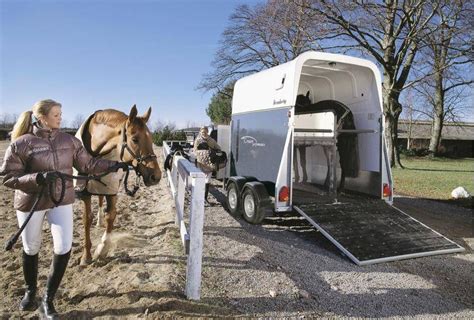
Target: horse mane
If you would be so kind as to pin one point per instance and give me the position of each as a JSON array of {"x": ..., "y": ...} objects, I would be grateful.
[{"x": 110, "y": 117}]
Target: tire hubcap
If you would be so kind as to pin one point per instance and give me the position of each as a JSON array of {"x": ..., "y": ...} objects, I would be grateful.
[
  {"x": 232, "y": 198},
  {"x": 249, "y": 205}
]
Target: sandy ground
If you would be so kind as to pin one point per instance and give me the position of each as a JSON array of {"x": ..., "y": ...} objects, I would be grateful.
[{"x": 282, "y": 268}]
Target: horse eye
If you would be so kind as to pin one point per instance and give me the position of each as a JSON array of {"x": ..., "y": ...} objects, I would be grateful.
[{"x": 135, "y": 140}]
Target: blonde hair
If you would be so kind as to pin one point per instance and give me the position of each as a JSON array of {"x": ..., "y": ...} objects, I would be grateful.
[{"x": 39, "y": 109}]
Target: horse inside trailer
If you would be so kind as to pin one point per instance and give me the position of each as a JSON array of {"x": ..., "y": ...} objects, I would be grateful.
[
  {"x": 308, "y": 136},
  {"x": 337, "y": 134}
]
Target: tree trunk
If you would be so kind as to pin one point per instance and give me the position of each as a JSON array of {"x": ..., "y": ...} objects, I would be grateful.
[
  {"x": 388, "y": 126},
  {"x": 396, "y": 150},
  {"x": 392, "y": 110},
  {"x": 438, "y": 118}
]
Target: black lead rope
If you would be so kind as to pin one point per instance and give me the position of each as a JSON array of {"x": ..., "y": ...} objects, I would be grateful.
[
  {"x": 132, "y": 192},
  {"x": 13, "y": 239},
  {"x": 63, "y": 176}
]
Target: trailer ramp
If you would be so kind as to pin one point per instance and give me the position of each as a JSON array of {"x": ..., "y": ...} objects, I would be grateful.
[{"x": 370, "y": 230}]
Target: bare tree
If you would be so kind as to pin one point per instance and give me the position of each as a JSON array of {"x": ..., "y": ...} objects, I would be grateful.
[
  {"x": 78, "y": 121},
  {"x": 447, "y": 52},
  {"x": 390, "y": 32},
  {"x": 261, "y": 37},
  {"x": 411, "y": 113},
  {"x": 8, "y": 120},
  {"x": 159, "y": 125},
  {"x": 4, "y": 119}
]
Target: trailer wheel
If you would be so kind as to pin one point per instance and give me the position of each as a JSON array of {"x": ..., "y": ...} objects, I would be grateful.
[
  {"x": 252, "y": 212},
  {"x": 233, "y": 202}
]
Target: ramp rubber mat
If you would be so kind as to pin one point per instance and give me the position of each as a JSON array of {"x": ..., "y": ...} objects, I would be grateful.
[{"x": 370, "y": 230}]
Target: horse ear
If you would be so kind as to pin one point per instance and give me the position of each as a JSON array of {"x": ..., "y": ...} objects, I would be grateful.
[
  {"x": 133, "y": 113},
  {"x": 146, "y": 116}
]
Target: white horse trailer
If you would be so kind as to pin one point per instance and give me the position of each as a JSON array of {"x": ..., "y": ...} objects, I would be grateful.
[{"x": 291, "y": 157}]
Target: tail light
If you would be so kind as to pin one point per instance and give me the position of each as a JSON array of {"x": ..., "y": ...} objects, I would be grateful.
[
  {"x": 284, "y": 194},
  {"x": 387, "y": 191}
]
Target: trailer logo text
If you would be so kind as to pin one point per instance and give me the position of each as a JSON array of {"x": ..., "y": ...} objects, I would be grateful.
[
  {"x": 252, "y": 141},
  {"x": 280, "y": 101}
]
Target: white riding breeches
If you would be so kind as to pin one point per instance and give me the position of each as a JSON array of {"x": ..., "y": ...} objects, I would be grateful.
[{"x": 60, "y": 223}]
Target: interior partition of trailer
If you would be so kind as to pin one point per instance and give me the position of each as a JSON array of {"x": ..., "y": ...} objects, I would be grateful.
[{"x": 315, "y": 132}]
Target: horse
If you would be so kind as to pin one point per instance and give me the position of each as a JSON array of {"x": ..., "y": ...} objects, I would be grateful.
[
  {"x": 346, "y": 142},
  {"x": 111, "y": 134}
]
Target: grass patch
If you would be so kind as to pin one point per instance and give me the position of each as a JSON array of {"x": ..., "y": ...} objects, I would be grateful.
[{"x": 433, "y": 178}]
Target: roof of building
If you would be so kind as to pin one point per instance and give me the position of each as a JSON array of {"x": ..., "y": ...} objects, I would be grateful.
[
  {"x": 422, "y": 130},
  {"x": 191, "y": 129}
]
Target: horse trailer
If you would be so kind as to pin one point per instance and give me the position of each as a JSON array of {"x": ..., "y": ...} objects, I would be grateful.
[{"x": 306, "y": 128}]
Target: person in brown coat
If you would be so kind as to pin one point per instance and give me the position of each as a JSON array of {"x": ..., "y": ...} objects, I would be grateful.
[
  {"x": 202, "y": 149},
  {"x": 37, "y": 150}
]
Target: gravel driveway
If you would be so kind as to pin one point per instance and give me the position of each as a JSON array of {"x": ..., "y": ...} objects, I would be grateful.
[{"x": 286, "y": 268}]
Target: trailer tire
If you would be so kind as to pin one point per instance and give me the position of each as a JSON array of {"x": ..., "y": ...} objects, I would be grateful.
[
  {"x": 251, "y": 209},
  {"x": 233, "y": 199}
]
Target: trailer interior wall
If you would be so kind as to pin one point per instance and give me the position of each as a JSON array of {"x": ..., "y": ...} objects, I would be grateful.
[{"x": 356, "y": 87}]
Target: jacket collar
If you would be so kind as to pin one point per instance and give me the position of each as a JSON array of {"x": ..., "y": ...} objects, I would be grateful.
[{"x": 44, "y": 133}]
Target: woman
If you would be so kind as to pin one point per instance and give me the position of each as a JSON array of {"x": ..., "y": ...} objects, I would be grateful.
[
  {"x": 202, "y": 149},
  {"x": 38, "y": 149}
]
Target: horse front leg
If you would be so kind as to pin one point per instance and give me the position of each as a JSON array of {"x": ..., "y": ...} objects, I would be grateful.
[
  {"x": 110, "y": 213},
  {"x": 87, "y": 222},
  {"x": 328, "y": 164},
  {"x": 343, "y": 179},
  {"x": 100, "y": 212},
  {"x": 303, "y": 162}
]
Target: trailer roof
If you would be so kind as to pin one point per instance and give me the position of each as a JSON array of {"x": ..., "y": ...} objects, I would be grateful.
[{"x": 278, "y": 86}]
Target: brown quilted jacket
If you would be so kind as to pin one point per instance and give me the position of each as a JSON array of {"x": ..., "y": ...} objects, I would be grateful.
[
  {"x": 203, "y": 156},
  {"x": 41, "y": 151}
]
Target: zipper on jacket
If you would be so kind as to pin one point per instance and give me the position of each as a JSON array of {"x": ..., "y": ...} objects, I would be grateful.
[{"x": 55, "y": 160}]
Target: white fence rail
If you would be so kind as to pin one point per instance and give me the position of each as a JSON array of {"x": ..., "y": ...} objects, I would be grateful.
[{"x": 182, "y": 176}]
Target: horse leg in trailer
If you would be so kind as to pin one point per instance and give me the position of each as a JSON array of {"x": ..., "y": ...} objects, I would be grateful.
[
  {"x": 100, "y": 212},
  {"x": 110, "y": 213},
  {"x": 295, "y": 166},
  {"x": 87, "y": 222},
  {"x": 303, "y": 162},
  {"x": 343, "y": 178},
  {"x": 328, "y": 164}
]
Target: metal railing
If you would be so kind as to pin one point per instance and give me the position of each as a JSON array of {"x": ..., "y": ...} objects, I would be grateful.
[{"x": 182, "y": 176}]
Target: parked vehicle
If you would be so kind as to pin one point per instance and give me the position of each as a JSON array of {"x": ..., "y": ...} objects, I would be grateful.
[{"x": 304, "y": 128}]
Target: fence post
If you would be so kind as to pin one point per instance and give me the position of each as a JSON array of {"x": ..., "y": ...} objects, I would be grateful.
[
  {"x": 181, "y": 173},
  {"x": 194, "y": 265},
  {"x": 180, "y": 198}
]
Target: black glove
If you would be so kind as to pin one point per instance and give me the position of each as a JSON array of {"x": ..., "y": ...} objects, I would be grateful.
[
  {"x": 44, "y": 178},
  {"x": 119, "y": 165}
]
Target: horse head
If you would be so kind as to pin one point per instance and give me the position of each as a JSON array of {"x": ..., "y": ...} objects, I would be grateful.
[{"x": 137, "y": 147}]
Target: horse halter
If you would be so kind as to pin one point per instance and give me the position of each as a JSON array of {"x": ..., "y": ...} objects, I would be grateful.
[{"x": 140, "y": 159}]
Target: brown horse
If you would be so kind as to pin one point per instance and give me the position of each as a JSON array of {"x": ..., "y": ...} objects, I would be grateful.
[{"x": 113, "y": 135}]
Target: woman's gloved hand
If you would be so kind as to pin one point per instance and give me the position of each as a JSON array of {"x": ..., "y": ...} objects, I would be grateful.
[
  {"x": 44, "y": 178},
  {"x": 119, "y": 165}
]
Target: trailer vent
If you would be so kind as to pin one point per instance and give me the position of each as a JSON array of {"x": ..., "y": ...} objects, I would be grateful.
[{"x": 284, "y": 194}]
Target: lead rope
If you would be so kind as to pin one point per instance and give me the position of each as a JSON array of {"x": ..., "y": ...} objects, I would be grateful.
[{"x": 62, "y": 176}]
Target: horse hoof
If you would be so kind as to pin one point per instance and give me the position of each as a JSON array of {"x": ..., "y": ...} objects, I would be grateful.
[
  {"x": 101, "y": 251},
  {"x": 85, "y": 261}
]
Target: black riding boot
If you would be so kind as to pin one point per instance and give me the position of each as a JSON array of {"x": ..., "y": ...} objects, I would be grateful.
[
  {"x": 30, "y": 273},
  {"x": 56, "y": 274},
  {"x": 206, "y": 193}
]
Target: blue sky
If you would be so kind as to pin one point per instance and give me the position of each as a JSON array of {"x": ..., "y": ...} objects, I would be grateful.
[{"x": 90, "y": 55}]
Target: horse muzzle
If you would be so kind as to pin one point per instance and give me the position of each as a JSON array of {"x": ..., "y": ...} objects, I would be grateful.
[{"x": 152, "y": 180}]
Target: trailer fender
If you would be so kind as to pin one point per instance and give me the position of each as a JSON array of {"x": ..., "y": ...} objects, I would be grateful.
[
  {"x": 239, "y": 181},
  {"x": 263, "y": 199}
]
